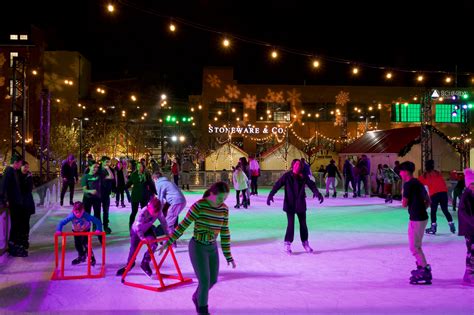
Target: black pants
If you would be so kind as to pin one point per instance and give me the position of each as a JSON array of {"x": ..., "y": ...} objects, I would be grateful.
[
  {"x": 379, "y": 186},
  {"x": 362, "y": 179},
  {"x": 94, "y": 203},
  {"x": 456, "y": 194},
  {"x": 176, "y": 179},
  {"x": 105, "y": 202},
  {"x": 119, "y": 196},
  {"x": 80, "y": 243},
  {"x": 135, "y": 240},
  {"x": 346, "y": 184},
  {"x": 440, "y": 198},
  {"x": 20, "y": 226},
  {"x": 135, "y": 205},
  {"x": 205, "y": 261},
  {"x": 254, "y": 184},
  {"x": 290, "y": 229},
  {"x": 470, "y": 252},
  {"x": 67, "y": 184},
  {"x": 244, "y": 196}
]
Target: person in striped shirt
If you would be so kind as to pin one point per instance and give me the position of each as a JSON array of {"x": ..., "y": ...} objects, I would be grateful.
[{"x": 211, "y": 217}]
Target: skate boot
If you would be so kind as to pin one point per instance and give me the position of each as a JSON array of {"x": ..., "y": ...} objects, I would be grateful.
[
  {"x": 107, "y": 230},
  {"x": 121, "y": 271},
  {"x": 346, "y": 195},
  {"x": 195, "y": 301},
  {"x": 422, "y": 276},
  {"x": 326, "y": 195},
  {"x": 237, "y": 206},
  {"x": 334, "y": 195},
  {"x": 468, "y": 278},
  {"x": 93, "y": 260},
  {"x": 452, "y": 228},
  {"x": 415, "y": 271},
  {"x": 307, "y": 248},
  {"x": 354, "y": 196},
  {"x": 287, "y": 248},
  {"x": 78, "y": 260},
  {"x": 146, "y": 269},
  {"x": 203, "y": 310},
  {"x": 432, "y": 229}
]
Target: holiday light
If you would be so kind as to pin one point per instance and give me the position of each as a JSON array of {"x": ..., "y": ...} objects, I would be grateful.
[
  {"x": 181, "y": 138},
  {"x": 315, "y": 64},
  {"x": 226, "y": 43},
  {"x": 274, "y": 54},
  {"x": 246, "y": 115},
  {"x": 233, "y": 110},
  {"x": 415, "y": 98},
  {"x": 200, "y": 107},
  {"x": 448, "y": 80},
  {"x": 370, "y": 108},
  {"x": 355, "y": 70},
  {"x": 388, "y": 75},
  {"x": 192, "y": 109},
  {"x": 133, "y": 98},
  {"x": 420, "y": 78},
  {"x": 34, "y": 72},
  {"x": 302, "y": 112},
  {"x": 172, "y": 27},
  {"x": 110, "y": 8},
  {"x": 219, "y": 113}
]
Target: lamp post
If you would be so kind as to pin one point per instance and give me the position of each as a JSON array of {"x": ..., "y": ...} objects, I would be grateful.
[{"x": 81, "y": 119}]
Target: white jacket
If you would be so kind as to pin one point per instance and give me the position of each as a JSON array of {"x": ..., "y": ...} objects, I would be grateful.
[{"x": 240, "y": 180}]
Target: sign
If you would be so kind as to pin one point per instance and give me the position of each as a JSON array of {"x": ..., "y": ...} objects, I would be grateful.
[
  {"x": 447, "y": 93},
  {"x": 245, "y": 130},
  {"x": 435, "y": 94}
]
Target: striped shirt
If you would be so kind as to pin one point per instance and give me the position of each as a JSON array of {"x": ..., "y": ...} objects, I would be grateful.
[{"x": 208, "y": 223}]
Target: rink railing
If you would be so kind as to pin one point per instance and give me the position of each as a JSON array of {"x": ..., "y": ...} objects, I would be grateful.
[{"x": 58, "y": 273}]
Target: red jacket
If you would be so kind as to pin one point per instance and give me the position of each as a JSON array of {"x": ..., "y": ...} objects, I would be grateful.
[{"x": 175, "y": 169}]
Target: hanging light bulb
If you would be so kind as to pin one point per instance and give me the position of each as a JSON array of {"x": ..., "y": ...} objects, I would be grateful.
[
  {"x": 274, "y": 54},
  {"x": 388, "y": 75},
  {"x": 315, "y": 63},
  {"x": 226, "y": 43},
  {"x": 355, "y": 70},
  {"x": 448, "y": 80},
  {"x": 420, "y": 78},
  {"x": 172, "y": 27},
  {"x": 110, "y": 7}
]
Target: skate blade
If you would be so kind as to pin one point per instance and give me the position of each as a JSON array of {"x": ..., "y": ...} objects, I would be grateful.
[{"x": 421, "y": 282}]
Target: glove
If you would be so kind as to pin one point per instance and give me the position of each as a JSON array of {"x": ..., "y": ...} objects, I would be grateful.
[
  {"x": 270, "y": 199},
  {"x": 320, "y": 198}
]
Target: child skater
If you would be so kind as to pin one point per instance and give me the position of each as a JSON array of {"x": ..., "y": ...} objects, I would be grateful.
[
  {"x": 240, "y": 181},
  {"x": 143, "y": 229},
  {"x": 81, "y": 222},
  {"x": 466, "y": 224},
  {"x": 211, "y": 217},
  {"x": 416, "y": 198}
]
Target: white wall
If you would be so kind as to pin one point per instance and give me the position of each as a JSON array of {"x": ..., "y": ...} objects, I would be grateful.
[
  {"x": 276, "y": 161},
  {"x": 222, "y": 158}
]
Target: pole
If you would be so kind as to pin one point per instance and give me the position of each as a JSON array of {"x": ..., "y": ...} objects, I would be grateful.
[{"x": 80, "y": 146}]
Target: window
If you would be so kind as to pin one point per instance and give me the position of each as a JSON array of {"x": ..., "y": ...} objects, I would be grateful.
[
  {"x": 273, "y": 112},
  {"x": 318, "y": 112},
  {"x": 406, "y": 112},
  {"x": 226, "y": 112},
  {"x": 13, "y": 37},
  {"x": 444, "y": 113},
  {"x": 13, "y": 54},
  {"x": 23, "y": 37},
  {"x": 11, "y": 88}
]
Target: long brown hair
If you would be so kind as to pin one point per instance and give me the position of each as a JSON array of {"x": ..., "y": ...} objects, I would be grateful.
[{"x": 216, "y": 188}]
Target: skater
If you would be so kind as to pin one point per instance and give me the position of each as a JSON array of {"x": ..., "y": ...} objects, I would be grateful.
[
  {"x": 140, "y": 191},
  {"x": 91, "y": 188},
  {"x": 70, "y": 177},
  {"x": 225, "y": 176},
  {"x": 348, "y": 173},
  {"x": 389, "y": 177},
  {"x": 240, "y": 181},
  {"x": 28, "y": 204},
  {"x": 81, "y": 222},
  {"x": 438, "y": 194},
  {"x": 143, "y": 229},
  {"x": 363, "y": 166},
  {"x": 331, "y": 171},
  {"x": 307, "y": 169},
  {"x": 458, "y": 190},
  {"x": 107, "y": 179},
  {"x": 11, "y": 193},
  {"x": 246, "y": 169},
  {"x": 416, "y": 199},
  {"x": 295, "y": 202},
  {"x": 120, "y": 176},
  {"x": 466, "y": 225},
  {"x": 210, "y": 216},
  {"x": 167, "y": 191},
  {"x": 175, "y": 172},
  {"x": 254, "y": 175},
  {"x": 379, "y": 179},
  {"x": 186, "y": 167}
]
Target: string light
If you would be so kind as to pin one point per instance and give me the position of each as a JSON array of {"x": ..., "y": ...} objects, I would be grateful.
[
  {"x": 226, "y": 43},
  {"x": 448, "y": 80},
  {"x": 172, "y": 27},
  {"x": 200, "y": 107},
  {"x": 133, "y": 98},
  {"x": 274, "y": 54},
  {"x": 315, "y": 63},
  {"x": 34, "y": 72},
  {"x": 110, "y": 8},
  {"x": 388, "y": 75},
  {"x": 420, "y": 78},
  {"x": 355, "y": 70},
  {"x": 233, "y": 110}
]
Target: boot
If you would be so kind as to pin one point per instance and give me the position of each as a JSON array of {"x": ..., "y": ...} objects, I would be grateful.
[
  {"x": 452, "y": 228},
  {"x": 187, "y": 187},
  {"x": 203, "y": 310},
  {"x": 432, "y": 229},
  {"x": 107, "y": 230},
  {"x": 116, "y": 204},
  {"x": 326, "y": 195},
  {"x": 146, "y": 269},
  {"x": 346, "y": 195},
  {"x": 195, "y": 301},
  {"x": 121, "y": 271},
  {"x": 287, "y": 248},
  {"x": 123, "y": 205},
  {"x": 334, "y": 195},
  {"x": 78, "y": 260},
  {"x": 307, "y": 248},
  {"x": 93, "y": 260},
  {"x": 468, "y": 278},
  {"x": 237, "y": 206}
]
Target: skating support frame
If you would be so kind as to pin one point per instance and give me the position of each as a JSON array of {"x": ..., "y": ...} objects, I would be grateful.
[
  {"x": 58, "y": 274},
  {"x": 181, "y": 280}
]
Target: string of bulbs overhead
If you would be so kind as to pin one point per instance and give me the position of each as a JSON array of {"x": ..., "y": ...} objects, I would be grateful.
[{"x": 274, "y": 49}]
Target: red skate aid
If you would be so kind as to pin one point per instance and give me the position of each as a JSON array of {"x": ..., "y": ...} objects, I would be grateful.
[
  {"x": 58, "y": 273},
  {"x": 181, "y": 280}
]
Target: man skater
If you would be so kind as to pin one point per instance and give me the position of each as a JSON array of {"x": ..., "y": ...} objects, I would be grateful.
[{"x": 70, "y": 177}]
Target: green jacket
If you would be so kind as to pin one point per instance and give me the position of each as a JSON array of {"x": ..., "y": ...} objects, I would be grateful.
[{"x": 139, "y": 183}]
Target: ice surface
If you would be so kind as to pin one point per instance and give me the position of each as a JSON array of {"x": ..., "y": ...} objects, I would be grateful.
[{"x": 361, "y": 265}]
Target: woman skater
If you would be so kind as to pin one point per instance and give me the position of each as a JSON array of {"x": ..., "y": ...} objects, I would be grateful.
[
  {"x": 211, "y": 217},
  {"x": 295, "y": 202}
]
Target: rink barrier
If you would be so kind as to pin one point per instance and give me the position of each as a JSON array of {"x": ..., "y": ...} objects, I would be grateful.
[
  {"x": 169, "y": 250},
  {"x": 58, "y": 273}
]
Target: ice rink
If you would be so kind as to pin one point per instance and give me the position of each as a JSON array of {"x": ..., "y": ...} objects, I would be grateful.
[{"x": 361, "y": 265}]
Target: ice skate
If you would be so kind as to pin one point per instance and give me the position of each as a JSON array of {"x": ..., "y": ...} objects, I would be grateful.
[
  {"x": 78, "y": 260},
  {"x": 346, "y": 195},
  {"x": 146, "y": 269},
  {"x": 237, "y": 206},
  {"x": 307, "y": 248},
  {"x": 432, "y": 229},
  {"x": 287, "y": 248},
  {"x": 326, "y": 195},
  {"x": 422, "y": 276},
  {"x": 468, "y": 278},
  {"x": 121, "y": 271},
  {"x": 107, "y": 230},
  {"x": 334, "y": 195},
  {"x": 452, "y": 227},
  {"x": 93, "y": 260}
]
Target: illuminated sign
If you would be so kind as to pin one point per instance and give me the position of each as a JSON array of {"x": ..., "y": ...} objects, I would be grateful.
[{"x": 245, "y": 130}]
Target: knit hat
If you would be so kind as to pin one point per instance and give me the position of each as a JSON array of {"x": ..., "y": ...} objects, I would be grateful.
[{"x": 468, "y": 176}]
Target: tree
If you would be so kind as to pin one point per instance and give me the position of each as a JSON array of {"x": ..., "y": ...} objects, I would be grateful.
[{"x": 64, "y": 141}]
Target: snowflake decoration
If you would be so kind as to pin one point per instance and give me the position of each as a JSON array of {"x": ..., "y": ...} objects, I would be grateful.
[
  {"x": 338, "y": 121},
  {"x": 53, "y": 82},
  {"x": 250, "y": 101},
  {"x": 342, "y": 98},
  {"x": 222, "y": 99},
  {"x": 232, "y": 91},
  {"x": 293, "y": 97},
  {"x": 2, "y": 81},
  {"x": 213, "y": 80},
  {"x": 2, "y": 60},
  {"x": 274, "y": 97}
]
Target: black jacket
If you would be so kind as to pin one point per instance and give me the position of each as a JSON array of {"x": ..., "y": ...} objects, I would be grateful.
[
  {"x": 332, "y": 171},
  {"x": 26, "y": 187},
  {"x": 466, "y": 214},
  {"x": 10, "y": 187},
  {"x": 69, "y": 172},
  {"x": 295, "y": 195},
  {"x": 348, "y": 170}
]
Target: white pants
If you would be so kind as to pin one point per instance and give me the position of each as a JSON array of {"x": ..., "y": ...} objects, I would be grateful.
[{"x": 172, "y": 215}]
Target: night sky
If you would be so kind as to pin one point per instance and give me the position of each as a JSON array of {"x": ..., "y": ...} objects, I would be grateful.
[{"x": 131, "y": 43}]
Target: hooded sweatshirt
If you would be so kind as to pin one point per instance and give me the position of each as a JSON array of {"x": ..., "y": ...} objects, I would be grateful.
[{"x": 168, "y": 191}]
